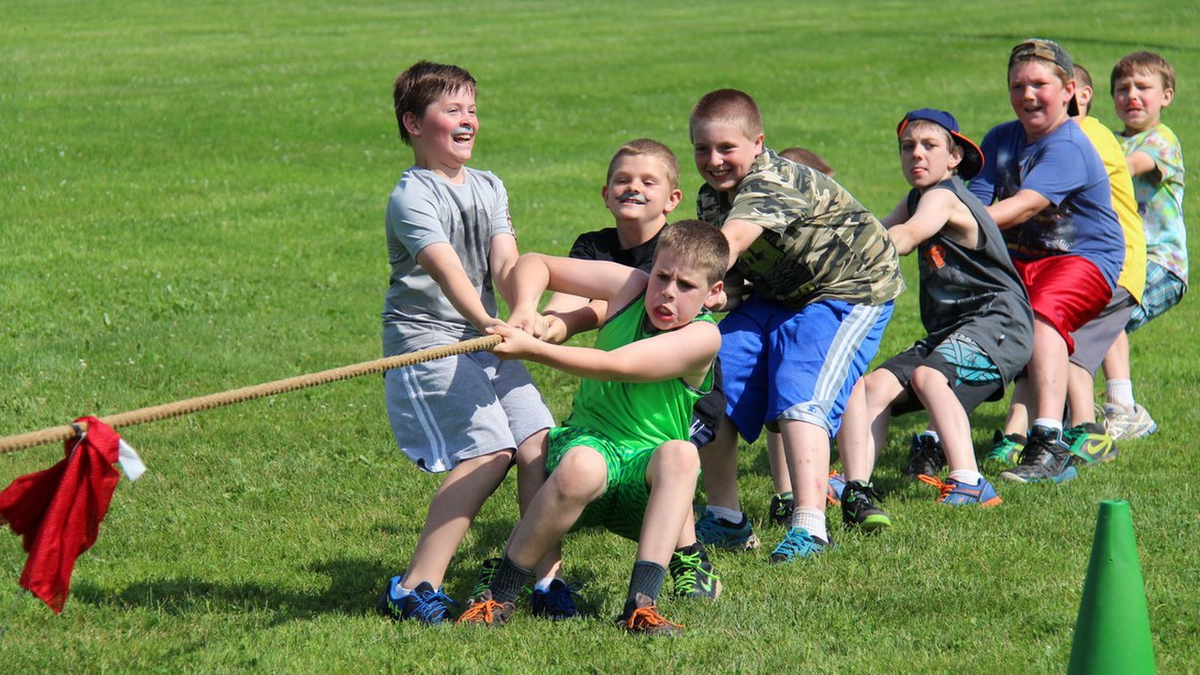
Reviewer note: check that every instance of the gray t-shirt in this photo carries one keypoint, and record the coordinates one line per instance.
(425, 209)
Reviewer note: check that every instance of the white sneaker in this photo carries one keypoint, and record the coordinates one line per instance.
(1125, 424)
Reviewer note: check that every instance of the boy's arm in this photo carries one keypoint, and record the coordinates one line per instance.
(933, 212)
(740, 234)
(686, 353)
(1017, 209)
(502, 258)
(898, 214)
(442, 263)
(535, 273)
(568, 315)
(1140, 162)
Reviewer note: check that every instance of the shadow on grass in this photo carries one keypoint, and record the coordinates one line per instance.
(353, 586)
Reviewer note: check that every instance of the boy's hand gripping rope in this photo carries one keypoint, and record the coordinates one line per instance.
(191, 405)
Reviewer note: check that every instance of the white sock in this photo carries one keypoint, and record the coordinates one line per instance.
(933, 434)
(812, 520)
(723, 513)
(966, 477)
(543, 584)
(401, 592)
(1120, 392)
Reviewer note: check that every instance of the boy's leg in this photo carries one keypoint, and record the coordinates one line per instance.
(719, 458)
(531, 475)
(454, 505)
(578, 480)
(865, 423)
(946, 414)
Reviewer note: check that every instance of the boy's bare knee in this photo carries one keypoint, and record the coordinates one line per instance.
(678, 457)
(580, 476)
(925, 379)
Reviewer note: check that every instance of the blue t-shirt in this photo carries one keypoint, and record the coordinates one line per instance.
(1063, 167)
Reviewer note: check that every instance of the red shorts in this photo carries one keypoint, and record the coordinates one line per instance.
(1065, 291)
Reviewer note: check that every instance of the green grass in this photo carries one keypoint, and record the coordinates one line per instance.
(192, 201)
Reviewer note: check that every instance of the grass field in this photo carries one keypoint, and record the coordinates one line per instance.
(192, 200)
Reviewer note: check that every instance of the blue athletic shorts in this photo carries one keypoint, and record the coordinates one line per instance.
(781, 363)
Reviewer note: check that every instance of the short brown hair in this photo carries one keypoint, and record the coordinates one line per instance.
(422, 84)
(807, 158)
(703, 246)
(1145, 63)
(646, 147)
(731, 106)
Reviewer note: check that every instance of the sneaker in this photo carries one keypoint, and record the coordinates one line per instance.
(1125, 424)
(1045, 458)
(485, 611)
(925, 457)
(956, 493)
(860, 510)
(1090, 442)
(1006, 448)
(724, 535)
(693, 573)
(423, 604)
(837, 483)
(644, 618)
(780, 512)
(797, 543)
(559, 601)
(487, 571)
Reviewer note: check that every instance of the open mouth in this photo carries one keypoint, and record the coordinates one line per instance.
(633, 198)
(463, 134)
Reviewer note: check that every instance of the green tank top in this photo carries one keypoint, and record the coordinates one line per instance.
(636, 414)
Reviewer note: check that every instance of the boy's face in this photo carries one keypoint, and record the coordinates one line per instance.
(1139, 100)
(723, 153)
(639, 192)
(1038, 97)
(676, 292)
(444, 136)
(926, 155)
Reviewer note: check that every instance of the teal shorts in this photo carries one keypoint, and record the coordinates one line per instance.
(621, 508)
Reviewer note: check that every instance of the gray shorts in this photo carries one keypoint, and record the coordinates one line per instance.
(1094, 338)
(458, 407)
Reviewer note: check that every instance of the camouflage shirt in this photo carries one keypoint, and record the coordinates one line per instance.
(817, 243)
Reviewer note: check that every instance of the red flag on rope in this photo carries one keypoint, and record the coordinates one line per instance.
(58, 511)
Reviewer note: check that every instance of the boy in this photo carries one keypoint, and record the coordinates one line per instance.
(1142, 85)
(972, 305)
(1049, 194)
(641, 188)
(1088, 440)
(469, 415)
(622, 459)
(824, 276)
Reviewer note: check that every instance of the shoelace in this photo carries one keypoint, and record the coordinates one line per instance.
(431, 606)
(648, 619)
(482, 611)
(685, 571)
(486, 573)
(797, 544)
(944, 488)
(866, 494)
(563, 601)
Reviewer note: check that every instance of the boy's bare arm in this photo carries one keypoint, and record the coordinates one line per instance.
(574, 315)
(535, 273)
(502, 258)
(740, 234)
(1017, 209)
(1140, 163)
(442, 263)
(933, 211)
(687, 352)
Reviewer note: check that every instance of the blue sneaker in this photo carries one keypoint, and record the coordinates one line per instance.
(558, 601)
(797, 542)
(423, 604)
(722, 534)
(956, 493)
(837, 483)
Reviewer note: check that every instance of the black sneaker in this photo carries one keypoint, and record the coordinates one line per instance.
(925, 457)
(780, 512)
(1045, 458)
(693, 574)
(859, 508)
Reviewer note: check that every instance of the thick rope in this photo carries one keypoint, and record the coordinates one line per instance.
(191, 405)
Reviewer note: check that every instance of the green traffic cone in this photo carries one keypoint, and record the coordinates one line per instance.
(1112, 632)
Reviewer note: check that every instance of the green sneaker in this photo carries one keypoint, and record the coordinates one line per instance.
(693, 573)
(859, 508)
(1090, 442)
(1006, 449)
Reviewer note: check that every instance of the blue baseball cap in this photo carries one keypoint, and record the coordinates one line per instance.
(972, 161)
